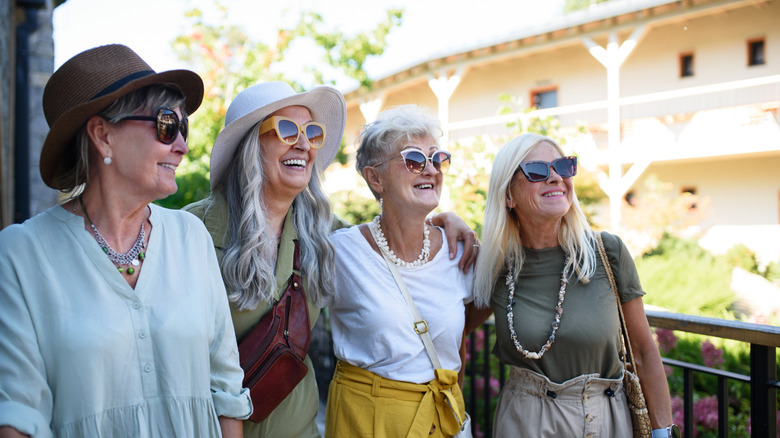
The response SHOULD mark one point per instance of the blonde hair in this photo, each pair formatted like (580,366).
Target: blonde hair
(501,230)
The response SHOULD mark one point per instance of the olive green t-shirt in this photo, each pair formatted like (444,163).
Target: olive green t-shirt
(588,337)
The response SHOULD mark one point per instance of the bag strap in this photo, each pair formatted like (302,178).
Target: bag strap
(626,354)
(420,325)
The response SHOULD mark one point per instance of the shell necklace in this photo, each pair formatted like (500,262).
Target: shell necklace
(381,242)
(127,261)
(510,283)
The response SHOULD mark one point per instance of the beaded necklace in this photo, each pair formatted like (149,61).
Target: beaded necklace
(381,242)
(510,283)
(131,258)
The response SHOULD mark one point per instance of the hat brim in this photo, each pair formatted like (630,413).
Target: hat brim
(52,163)
(326,105)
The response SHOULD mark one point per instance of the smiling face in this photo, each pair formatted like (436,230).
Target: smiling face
(287,168)
(407,192)
(543,201)
(141,163)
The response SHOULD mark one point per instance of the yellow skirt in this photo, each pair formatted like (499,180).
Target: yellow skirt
(362,404)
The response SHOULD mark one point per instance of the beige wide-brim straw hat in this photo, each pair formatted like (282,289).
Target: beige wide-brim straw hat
(326,105)
(88,83)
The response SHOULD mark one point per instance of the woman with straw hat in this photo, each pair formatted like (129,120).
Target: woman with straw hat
(114,317)
(267,199)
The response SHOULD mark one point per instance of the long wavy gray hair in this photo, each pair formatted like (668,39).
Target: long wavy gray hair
(249,259)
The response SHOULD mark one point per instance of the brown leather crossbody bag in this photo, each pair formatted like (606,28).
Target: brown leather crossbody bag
(272,354)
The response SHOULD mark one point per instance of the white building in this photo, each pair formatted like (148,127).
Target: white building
(685,90)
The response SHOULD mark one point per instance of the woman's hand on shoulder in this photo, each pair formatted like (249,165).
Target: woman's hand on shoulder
(457,230)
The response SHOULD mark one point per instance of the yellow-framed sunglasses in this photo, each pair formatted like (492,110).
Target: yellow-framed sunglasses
(288,131)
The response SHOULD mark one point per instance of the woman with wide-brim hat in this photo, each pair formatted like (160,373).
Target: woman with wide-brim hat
(114,316)
(266,173)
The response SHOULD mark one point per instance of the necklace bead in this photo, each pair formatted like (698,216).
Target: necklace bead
(381,242)
(510,283)
(132,257)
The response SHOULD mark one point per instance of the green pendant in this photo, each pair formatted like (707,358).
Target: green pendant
(105,249)
(130,271)
(120,269)
(141,256)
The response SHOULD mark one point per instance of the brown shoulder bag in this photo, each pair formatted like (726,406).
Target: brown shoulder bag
(272,354)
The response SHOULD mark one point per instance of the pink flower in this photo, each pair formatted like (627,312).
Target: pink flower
(479,385)
(711,355)
(478,431)
(705,412)
(480,342)
(667,341)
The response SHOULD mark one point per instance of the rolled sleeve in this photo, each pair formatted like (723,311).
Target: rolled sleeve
(24,419)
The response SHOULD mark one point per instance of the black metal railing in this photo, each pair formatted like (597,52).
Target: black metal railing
(763,341)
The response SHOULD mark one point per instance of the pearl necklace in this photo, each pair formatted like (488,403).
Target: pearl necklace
(133,257)
(381,242)
(510,283)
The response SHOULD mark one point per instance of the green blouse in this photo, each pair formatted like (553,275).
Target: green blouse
(588,337)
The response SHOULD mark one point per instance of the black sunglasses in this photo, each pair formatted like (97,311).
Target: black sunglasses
(536,171)
(168,125)
(416,161)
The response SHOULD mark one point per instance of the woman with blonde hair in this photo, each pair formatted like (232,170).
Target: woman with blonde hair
(557,319)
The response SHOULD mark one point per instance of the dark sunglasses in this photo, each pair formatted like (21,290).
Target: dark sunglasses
(536,171)
(288,131)
(416,161)
(168,124)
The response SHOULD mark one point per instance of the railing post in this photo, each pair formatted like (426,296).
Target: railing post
(763,396)
(688,403)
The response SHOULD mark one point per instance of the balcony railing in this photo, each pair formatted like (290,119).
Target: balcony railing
(763,341)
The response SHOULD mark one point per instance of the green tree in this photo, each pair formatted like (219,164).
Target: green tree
(229,61)
(574,5)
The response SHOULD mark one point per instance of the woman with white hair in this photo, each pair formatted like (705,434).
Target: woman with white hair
(399,308)
(270,221)
(557,318)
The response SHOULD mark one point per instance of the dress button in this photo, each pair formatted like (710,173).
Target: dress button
(136,305)
(142,334)
(147,368)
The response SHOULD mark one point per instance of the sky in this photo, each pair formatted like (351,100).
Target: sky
(431,28)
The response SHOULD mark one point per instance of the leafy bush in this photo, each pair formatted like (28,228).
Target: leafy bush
(681,276)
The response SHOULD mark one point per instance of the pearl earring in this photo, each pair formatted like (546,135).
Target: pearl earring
(107,161)
(380,204)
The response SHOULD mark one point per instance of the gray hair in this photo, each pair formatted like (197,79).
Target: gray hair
(249,262)
(501,230)
(146,98)
(379,138)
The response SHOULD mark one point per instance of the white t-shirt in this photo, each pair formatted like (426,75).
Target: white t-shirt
(372,325)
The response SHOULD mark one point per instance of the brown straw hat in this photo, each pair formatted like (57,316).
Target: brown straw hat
(88,83)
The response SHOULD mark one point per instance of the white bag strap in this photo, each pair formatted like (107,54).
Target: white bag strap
(420,325)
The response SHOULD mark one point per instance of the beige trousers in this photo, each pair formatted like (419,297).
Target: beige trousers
(587,406)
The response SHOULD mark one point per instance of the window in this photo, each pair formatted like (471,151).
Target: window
(689,194)
(630,198)
(686,65)
(544,98)
(756,52)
